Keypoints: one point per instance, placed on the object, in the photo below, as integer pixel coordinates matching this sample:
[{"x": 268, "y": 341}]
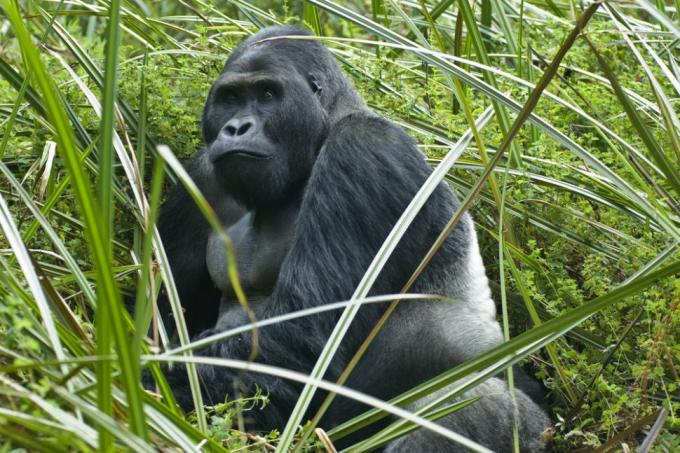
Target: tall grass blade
[
  {"x": 106, "y": 206},
  {"x": 86, "y": 202}
]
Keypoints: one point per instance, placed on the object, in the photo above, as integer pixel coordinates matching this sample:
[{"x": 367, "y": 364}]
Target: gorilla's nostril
[
  {"x": 237, "y": 127},
  {"x": 244, "y": 128}
]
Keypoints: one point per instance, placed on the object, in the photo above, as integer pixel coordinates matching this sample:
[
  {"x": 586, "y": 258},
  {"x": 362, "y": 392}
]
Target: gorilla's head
[{"x": 269, "y": 112}]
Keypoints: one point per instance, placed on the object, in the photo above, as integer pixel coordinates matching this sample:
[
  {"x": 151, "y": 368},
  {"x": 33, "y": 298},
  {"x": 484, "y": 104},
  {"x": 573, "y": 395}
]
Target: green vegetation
[{"x": 578, "y": 211}]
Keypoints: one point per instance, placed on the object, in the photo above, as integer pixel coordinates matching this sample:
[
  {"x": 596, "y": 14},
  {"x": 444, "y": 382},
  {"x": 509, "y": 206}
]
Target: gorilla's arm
[
  {"x": 365, "y": 175},
  {"x": 185, "y": 232}
]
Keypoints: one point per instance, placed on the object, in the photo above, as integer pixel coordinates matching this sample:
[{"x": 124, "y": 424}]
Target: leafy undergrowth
[{"x": 588, "y": 204}]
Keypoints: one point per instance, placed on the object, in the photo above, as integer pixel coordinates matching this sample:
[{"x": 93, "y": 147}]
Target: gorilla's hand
[{"x": 217, "y": 383}]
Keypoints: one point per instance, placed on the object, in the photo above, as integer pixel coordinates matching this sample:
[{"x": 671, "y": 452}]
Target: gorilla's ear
[{"x": 314, "y": 83}]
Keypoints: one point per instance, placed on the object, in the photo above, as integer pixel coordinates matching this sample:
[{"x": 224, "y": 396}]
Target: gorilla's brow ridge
[
  {"x": 245, "y": 77},
  {"x": 242, "y": 78}
]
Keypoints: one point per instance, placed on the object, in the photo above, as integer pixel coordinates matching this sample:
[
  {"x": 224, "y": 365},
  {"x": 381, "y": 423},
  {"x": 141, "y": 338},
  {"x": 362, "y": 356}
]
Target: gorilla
[{"x": 308, "y": 182}]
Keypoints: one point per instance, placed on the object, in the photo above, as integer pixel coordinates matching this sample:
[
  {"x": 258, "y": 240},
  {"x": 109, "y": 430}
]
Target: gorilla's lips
[{"x": 238, "y": 152}]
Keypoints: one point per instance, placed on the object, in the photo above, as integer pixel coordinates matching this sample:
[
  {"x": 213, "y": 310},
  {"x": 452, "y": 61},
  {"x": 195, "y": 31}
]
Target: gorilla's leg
[{"x": 488, "y": 421}]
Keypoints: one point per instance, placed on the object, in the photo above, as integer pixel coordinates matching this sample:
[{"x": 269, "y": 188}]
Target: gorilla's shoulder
[{"x": 373, "y": 134}]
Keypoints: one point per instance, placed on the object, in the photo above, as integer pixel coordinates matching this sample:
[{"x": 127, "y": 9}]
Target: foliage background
[{"x": 575, "y": 209}]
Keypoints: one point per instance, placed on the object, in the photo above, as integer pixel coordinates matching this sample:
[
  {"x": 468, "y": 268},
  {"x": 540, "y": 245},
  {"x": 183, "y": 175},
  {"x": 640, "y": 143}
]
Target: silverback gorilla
[{"x": 308, "y": 182}]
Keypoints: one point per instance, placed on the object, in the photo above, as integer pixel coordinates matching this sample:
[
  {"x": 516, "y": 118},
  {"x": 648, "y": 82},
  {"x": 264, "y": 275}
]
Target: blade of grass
[
  {"x": 310, "y": 15},
  {"x": 145, "y": 300},
  {"x": 433, "y": 416},
  {"x": 666, "y": 21},
  {"x": 208, "y": 340},
  {"x": 106, "y": 206},
  {"x": 22, "y": 92},
  {"x": 232, "y": 272},
  {"x": 85, "y": 432},
  {"x": 140, "y": 156},
  {"x": 86, "y": 203},
  {"x": 92, "y": 70},
  {"x": 18, "y": 247},
  {"x": 29, "y": 441},
  {"x": 178, "y": 429},
  {"x": 654, "y": 432},
  {"x": 615, "y": 441},
  {"x": 136, "y": 443},
  {"x": 475, "y": 37},
  {"x": 505, "y": 317}
]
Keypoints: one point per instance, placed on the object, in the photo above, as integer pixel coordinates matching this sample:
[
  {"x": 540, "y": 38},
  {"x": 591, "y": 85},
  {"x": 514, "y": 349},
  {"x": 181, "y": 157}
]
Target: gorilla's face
[{"x": 263, "y": 125}]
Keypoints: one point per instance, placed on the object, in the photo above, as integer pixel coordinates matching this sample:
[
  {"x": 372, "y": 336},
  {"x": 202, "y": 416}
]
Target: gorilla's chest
[{"x": 260, "y": 249}]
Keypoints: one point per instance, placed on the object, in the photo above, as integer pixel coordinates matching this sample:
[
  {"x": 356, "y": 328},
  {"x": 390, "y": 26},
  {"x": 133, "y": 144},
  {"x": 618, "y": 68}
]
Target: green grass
[{"x": 557, "y": 126}]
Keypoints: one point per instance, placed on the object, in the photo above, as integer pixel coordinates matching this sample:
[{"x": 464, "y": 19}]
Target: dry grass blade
[{"x": 654, "y": 432}]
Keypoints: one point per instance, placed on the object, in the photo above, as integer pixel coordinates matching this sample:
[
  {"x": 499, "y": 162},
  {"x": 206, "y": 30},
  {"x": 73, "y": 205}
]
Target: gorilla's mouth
[{"x": 240, "y": 153}]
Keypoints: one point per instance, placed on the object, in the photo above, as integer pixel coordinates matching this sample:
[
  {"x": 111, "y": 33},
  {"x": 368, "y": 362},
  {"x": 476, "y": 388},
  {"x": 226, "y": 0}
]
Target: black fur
[{"x": 327, "y": 182}]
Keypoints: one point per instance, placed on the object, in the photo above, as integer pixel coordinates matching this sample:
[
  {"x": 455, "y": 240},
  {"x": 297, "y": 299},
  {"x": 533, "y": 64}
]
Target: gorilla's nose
[{"x": 236, "y": 127}]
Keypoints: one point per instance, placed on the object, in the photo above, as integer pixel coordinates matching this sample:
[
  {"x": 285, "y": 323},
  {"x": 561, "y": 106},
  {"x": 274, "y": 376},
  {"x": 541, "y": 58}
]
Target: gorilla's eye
[
  {"x": 227, "y": 96},
  {"x": 266, "y": 95}
]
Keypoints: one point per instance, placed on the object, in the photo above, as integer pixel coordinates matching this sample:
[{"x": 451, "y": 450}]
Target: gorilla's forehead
[{"x": 268, "y": 58}]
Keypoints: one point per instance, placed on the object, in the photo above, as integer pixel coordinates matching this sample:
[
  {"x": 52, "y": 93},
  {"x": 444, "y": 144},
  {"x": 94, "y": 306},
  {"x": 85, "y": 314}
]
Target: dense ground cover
[{"x": 578, "y": 222}]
